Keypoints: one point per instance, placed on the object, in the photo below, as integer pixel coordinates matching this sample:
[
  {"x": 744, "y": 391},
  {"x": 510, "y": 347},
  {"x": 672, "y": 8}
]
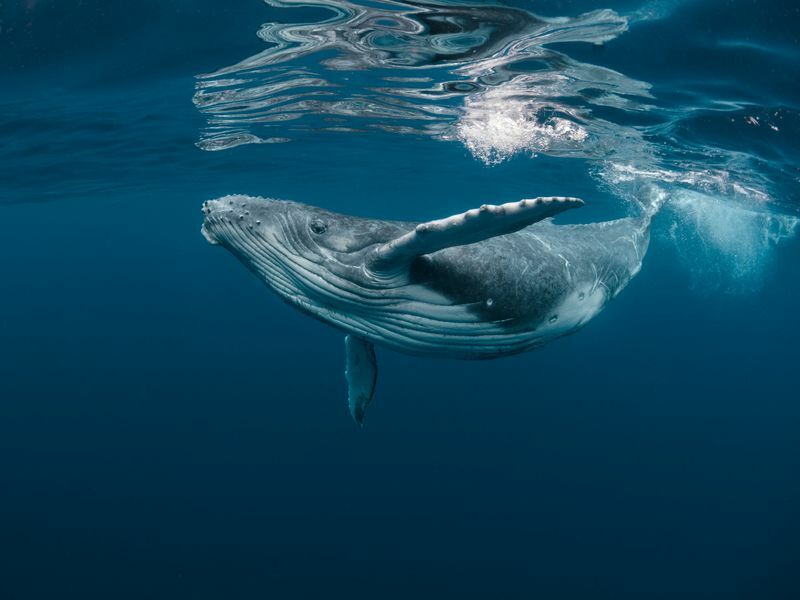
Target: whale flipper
[
  {"x": 361, "y": 373},
  {"x": 467, "y": 228}
]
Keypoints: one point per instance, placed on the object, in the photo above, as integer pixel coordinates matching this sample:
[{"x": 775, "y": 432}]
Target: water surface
[{"x": 170, "y": 429}]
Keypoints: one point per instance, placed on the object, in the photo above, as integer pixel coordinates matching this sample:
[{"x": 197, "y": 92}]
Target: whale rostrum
[{"x": 489, "y": 282}]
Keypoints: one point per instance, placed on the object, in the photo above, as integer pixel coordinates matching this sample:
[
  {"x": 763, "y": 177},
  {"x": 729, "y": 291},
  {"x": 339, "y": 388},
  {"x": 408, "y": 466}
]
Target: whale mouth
[
  {"x": 205, "y": 228},
  {"x": 216, "y": 212},
  {"x": 209, "y": 236},
  {"x": 238, "y": 222}
]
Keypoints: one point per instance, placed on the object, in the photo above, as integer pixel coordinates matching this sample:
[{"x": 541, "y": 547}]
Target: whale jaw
[{"x": 208, "y": 235}]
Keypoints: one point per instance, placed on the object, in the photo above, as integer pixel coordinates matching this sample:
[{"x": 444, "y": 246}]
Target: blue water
[{"x": 170, "y": 429}]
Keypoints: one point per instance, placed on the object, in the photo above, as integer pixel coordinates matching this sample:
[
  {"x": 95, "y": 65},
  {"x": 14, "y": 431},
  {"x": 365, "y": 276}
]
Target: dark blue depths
[{"x": 170, "y": 429}]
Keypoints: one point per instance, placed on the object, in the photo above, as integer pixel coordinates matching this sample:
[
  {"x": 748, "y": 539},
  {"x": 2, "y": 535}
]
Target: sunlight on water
[
  {"x": 494, "y": 130},
  {"x": 404, "y": 67}
]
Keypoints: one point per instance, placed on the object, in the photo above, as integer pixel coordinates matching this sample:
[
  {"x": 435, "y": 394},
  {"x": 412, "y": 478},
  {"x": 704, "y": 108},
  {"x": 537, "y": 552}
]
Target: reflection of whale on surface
[{"x": 489, "y": 282}]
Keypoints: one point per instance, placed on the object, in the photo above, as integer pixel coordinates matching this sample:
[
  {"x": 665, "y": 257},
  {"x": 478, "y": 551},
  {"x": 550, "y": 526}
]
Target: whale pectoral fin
[
  {"x": 361, "y": 373},
  {"x": 467, "y": 228}
]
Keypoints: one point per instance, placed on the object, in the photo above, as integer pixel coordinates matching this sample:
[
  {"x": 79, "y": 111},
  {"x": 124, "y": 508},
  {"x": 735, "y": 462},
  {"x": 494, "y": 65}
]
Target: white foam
[
  {"x": 656, "y": 10},
  {"x": 711, "y": 180},
  {"x": 725, "y": 245},
  {"x": 496, "y": 126},
  {"x": 724, "y": 228}
]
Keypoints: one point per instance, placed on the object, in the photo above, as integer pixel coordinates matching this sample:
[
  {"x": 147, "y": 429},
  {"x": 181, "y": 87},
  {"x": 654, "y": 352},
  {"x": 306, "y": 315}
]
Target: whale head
[{"x": 310, "y": 256}]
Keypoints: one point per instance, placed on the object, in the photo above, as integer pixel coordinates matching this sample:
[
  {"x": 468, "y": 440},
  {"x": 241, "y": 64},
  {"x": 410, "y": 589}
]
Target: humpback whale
[{"x": 489, "y": 282}]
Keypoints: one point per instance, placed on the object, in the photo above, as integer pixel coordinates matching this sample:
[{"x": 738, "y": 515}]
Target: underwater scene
[{"x": 399, "y": 299}]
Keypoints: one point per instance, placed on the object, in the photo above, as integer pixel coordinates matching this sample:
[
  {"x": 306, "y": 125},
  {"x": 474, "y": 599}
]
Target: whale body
[{"x": 490, "y": 282}]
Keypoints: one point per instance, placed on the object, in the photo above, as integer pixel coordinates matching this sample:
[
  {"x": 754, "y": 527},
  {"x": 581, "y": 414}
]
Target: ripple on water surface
[{"x": 501, "y": 81}]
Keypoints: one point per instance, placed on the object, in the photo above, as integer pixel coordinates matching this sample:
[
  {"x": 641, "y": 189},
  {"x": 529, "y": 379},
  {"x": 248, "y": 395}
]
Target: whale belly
[{"x": 432, "y": 325}]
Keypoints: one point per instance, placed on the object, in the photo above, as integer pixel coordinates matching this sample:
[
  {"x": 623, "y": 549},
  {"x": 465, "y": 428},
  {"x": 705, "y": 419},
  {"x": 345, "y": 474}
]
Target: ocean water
[{"x": 170, "y": 429}]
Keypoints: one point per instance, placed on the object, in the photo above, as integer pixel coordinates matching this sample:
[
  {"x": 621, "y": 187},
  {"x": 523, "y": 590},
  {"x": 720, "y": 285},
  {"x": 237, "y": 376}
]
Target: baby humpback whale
[{"x": 492, "y": 281}]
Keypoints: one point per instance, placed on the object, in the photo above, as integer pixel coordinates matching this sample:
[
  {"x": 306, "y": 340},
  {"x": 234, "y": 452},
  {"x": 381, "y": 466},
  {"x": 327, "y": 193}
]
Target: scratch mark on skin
[
  {"x": 541, "y": 241},
  {"x": 566, "y": 267}
]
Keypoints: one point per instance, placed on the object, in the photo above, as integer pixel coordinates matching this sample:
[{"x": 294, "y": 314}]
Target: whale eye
[{"x": 318, "y": 226}]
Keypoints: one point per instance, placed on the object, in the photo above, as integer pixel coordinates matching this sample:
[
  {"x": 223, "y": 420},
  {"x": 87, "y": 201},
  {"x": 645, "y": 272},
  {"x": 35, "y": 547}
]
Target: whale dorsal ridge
[{"x": 467, "y": 228}]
